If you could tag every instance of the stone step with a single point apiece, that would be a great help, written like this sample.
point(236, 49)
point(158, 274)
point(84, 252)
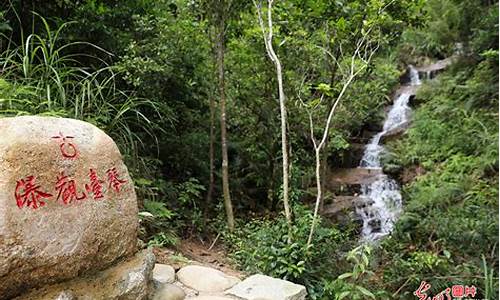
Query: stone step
point(341, 203)
point(395, 132)
point(438, 65)
point(406, 89)
point(267, 288)
point(353, 176)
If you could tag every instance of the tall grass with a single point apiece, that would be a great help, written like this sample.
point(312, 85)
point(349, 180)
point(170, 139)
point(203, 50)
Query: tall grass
point(43, 76)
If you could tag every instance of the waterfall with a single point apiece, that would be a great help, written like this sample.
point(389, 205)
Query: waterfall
point(382, 197)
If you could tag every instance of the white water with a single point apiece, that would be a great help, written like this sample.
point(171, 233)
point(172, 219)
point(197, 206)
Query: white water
point(382, 204)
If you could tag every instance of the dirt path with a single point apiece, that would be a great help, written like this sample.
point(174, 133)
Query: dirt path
point(193, 251)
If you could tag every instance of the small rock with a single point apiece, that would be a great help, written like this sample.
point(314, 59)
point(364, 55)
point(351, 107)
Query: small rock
point(163, 274)
point(261, 287)
point(168, 292)
point(205, 279)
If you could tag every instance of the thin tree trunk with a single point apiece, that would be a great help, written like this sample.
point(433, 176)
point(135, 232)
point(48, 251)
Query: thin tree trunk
point(211, 182)
point(324, 165)
point(268, 41)
point(317, 152)
point(225, 165)
point(270, 189)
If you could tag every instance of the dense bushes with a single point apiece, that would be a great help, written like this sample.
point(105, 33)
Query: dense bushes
point(261, 246)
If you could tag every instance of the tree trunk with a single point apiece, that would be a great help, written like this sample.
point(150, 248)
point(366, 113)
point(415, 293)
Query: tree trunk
point(324, 165)
point(284, 148)
point(225, 165)
point(268, 41)
point(211, 182)
point(317, 152)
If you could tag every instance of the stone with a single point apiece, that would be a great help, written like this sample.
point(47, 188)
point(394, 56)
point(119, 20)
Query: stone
point(130, 279)
point(65, 295)
point(163, 274)
point(67, 205)
point(211, 298)
point(205, 279)
point(168, 292)
point(261, 287)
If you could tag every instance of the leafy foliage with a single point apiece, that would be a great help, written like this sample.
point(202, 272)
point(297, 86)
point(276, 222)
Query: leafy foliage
point(261, 246)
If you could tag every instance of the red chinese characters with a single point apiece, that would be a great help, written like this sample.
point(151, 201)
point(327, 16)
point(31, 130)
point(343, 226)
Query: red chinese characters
point(457, 291)
point(68, 149)
point(66, 189)
point(420, 292)
point(114, 181)
point(95, 185)
point(28, 194)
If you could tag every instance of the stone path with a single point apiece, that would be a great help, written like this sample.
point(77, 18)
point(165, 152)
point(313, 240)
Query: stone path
point(203, 283)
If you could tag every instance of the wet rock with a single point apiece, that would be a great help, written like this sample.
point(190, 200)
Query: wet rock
point(67, 206)
point(375, 224)
point(261, 287)
point(395, 132)
point(130, 279)
point(163, 274)
point(205, 279)
point(392, 169)
point(168, 292)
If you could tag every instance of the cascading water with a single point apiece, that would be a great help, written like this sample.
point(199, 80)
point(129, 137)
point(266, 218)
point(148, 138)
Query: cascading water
point(382, 198)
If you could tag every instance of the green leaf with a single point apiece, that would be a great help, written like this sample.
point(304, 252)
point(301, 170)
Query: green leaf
point(343, 295)
point(345, 275)
point(365, 292)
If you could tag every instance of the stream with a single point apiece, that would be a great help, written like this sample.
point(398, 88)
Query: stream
point(382, 197)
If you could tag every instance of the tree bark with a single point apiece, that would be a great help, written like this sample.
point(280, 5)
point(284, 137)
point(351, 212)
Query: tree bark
point(211, 182)
point(268, 41)
point(223, 132)
point(317, 154)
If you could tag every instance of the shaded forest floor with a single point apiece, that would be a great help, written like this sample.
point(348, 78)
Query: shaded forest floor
point(195, 251)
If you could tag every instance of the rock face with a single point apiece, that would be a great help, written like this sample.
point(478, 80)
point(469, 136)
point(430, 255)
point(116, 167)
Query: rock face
point(67, 205)
point(205, 279)
point(261, 287)
point(130, 279)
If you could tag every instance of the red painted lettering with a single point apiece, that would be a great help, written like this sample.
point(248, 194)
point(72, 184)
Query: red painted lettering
point(68, 149)
point(95, 185)
point(113, 179)
point(66, 188)
point(28, 194)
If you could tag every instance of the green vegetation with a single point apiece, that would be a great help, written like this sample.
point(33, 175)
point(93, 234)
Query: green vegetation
point(148, 73)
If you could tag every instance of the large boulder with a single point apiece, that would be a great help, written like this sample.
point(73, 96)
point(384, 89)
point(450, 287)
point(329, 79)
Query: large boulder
point(261, 287)
point(67, 204)
point(130, 279)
